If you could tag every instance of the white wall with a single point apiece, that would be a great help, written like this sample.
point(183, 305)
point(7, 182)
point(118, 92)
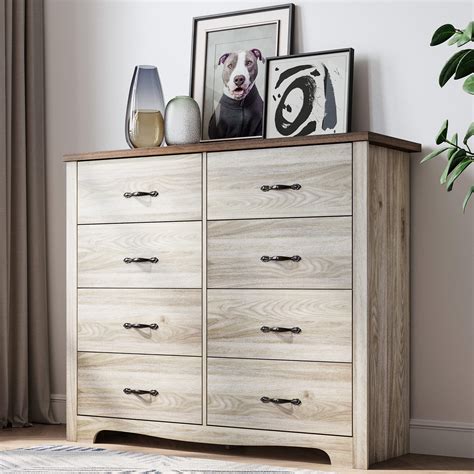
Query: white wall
point(91, 49)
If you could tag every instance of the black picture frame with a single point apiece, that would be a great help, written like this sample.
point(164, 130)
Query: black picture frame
point(349, 51)
point(288, 46)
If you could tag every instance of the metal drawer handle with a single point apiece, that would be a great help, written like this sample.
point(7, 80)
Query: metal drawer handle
point(295, 330)
point(279, 258)
point(279, 187)
point(140, 326)
point(130, 391)
point(141, 193)
point(280, 401)
point(140, 260)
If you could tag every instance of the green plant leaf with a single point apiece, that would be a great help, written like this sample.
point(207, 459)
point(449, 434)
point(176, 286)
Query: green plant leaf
point(434, 154)
point(468, 85)
point(466, 199)
point(442, 34)
point(455, 158)
point(450, 67)
point(451, 152)
point(465, 66)
point(462, 40)
point(469, 30)
point(466, 35)
point(454, 139)
point(469, 133)
point(443, 133)
point(457, 172)
point(455, 38)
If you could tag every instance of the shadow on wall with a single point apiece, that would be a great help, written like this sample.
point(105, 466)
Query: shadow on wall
point(360, 96)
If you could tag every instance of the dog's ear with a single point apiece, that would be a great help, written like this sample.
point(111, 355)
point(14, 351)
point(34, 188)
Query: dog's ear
point(258, 54)
point(223, 58)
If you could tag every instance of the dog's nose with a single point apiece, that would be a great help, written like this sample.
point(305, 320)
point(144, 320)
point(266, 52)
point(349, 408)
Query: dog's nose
point(239, 80)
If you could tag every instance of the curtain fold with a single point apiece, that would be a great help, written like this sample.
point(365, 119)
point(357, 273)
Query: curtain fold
point(24, 344)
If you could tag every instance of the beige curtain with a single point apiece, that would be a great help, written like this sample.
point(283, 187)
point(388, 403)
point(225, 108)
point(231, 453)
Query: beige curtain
point(24, 345)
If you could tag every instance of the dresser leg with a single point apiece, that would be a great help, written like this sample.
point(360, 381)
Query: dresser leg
point(71, 432)
point(340, 458)
point(88, 437)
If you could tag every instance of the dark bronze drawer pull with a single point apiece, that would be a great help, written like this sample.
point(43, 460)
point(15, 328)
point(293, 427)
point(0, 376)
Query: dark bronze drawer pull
point(140, 326)
point(140, 193)
point(280, 401)
point(130, 391)
point(280, 187)
point(295, 330)
point(280, 258)
point(140, 260)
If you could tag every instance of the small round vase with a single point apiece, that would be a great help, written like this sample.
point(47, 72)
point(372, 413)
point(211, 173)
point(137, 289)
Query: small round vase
point(182, 121)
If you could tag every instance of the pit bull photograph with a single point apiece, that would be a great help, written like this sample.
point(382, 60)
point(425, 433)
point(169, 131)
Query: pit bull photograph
point(239, 111)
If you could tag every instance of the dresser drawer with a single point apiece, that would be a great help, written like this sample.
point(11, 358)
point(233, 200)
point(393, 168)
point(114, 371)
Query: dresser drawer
point(102, 314)
point(176, 245)
point(102, 379)
point(102, 185)
point(323, 174)
point(244, 323)
point(236, 387)
point(235, 249)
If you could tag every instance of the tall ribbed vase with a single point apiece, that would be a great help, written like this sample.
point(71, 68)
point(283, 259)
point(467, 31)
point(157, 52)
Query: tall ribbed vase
point(144, 124)
point(182, 121)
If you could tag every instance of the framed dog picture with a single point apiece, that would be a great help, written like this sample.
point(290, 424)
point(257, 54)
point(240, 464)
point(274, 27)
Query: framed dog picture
point(228, 68)
point(309, 94)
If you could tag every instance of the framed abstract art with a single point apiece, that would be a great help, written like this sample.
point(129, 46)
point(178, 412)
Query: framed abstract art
point(309, 94)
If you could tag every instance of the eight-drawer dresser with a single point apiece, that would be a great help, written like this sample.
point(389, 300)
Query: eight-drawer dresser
point(251, 292)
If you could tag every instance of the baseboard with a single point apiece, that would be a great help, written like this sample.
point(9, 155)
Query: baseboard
point(442, 438)
point(58, 406)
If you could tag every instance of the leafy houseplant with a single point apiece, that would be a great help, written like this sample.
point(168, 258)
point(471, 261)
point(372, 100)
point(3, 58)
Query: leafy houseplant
point(460, 65)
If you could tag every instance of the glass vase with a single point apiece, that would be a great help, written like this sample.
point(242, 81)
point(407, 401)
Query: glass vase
point(144, 125)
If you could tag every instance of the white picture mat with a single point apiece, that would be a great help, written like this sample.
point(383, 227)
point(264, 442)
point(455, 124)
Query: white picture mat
point(338, 64)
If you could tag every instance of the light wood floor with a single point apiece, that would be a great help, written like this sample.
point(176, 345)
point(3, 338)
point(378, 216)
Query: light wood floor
point(287, 457)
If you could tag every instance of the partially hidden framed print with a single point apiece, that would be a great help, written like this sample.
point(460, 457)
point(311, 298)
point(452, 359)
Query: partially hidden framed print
point(309, 94)
point(228, 67)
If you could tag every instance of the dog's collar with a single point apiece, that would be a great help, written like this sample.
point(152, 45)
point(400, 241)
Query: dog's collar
point(249, 99)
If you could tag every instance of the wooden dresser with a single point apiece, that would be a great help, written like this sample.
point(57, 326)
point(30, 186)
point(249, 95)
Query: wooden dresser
point(250, 292)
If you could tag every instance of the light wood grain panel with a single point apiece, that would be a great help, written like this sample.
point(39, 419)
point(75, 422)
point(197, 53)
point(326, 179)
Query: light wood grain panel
point(373, 138)
point(360, 307)
point(71, 300)
point(102, 378)
point(102, 184)
point(324, 317)
point(324, 245)
point(204, 290)
point(381, 304)
point(339, 448)
point(388, 290)
point(102, 249)
point(323, 172)
point(103, 312)
point(235, 387)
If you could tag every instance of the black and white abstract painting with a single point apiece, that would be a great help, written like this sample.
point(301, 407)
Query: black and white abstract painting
point(309, 94)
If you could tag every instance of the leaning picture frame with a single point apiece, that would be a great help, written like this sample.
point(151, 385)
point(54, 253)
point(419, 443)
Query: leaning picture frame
point(309, 94)
point(227, 77)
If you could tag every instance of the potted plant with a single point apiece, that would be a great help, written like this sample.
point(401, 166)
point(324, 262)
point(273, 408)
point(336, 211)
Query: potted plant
point(460, 66)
